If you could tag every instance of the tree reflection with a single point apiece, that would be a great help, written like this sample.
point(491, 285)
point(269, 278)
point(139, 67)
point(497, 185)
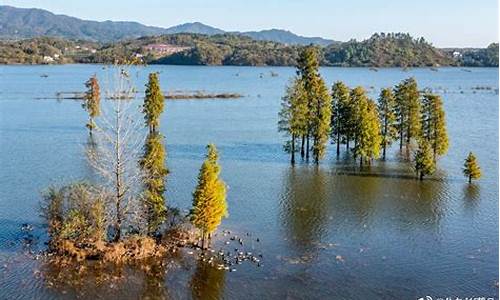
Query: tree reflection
point(207, 282)
point(304, 207)
point(472, 194)
point(154, 286)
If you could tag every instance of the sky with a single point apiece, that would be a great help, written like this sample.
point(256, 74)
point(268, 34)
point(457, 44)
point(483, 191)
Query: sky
point(444, 23)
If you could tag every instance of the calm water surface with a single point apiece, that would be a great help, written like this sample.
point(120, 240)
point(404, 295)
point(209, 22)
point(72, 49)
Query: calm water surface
point(330, 232)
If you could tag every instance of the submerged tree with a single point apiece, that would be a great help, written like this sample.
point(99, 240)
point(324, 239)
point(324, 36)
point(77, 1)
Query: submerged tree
point(307, 70)
point(341, 107)
point(386, 108)
point(471, 168)
point(321, 115)
point(318, 103)
point(209, 197)
point(368, 138)
point(116, 152)
point(153, 102)
point(92, 100)
point(424, 160)
point(407, 110)
point(293, 115)
point(434, 124)
point(154, 171)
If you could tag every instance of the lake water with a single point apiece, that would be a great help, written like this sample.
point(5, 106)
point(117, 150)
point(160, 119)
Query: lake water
point(327, 232)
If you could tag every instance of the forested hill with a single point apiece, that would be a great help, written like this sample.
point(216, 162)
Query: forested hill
point(384, 50)
point(380, 50)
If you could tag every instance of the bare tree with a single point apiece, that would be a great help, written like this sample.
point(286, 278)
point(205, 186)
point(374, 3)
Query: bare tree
point(119, 136)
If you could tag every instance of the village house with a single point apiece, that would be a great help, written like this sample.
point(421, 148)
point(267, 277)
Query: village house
point(164, 49)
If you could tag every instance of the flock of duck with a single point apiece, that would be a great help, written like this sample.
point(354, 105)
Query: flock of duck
point(228, 259)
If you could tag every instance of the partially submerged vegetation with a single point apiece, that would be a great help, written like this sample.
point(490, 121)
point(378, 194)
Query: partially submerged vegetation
point(169, 95)
point(404, 113)
point(121, 215)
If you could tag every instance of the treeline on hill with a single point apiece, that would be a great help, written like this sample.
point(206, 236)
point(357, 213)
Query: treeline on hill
point(380, 50)
point(311, 114)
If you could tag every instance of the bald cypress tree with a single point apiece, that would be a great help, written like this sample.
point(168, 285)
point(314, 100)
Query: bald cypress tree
point(92, 99)
point(368, 138)
point(153, 160)
point(424, 160)
point(293, 116)
point(321, 114)
point(209, 197)
point(407, 110)
point(153, 102)
point(471, 168)
point(340, 113)
point(386, 108)
point(308, 72)
point(434, 124)
point(153, 166)
point(358, 100)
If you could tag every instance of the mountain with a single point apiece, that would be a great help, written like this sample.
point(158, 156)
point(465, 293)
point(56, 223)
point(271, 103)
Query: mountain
point(286, 37)
point(196, 27)
point(19, 23)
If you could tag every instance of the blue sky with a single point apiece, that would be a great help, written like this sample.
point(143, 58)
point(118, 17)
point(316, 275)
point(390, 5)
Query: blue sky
point(445, 23)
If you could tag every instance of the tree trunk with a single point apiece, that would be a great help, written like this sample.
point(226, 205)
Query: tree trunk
point(338, 143)
point(293, 149)
point(203, 239)
point(421, 175)
point(302, 146)
point(385, 138)
point(401, 138)
point(307, 147)
point(470, 178)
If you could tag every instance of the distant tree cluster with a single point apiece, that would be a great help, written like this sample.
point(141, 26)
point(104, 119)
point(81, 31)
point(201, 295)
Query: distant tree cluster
point(485, 57)
point(386, 50)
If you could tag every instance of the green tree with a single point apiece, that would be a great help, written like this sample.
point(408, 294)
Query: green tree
point(307, 70)
point(341, 107)
point(153, 166)
point(434, 124)
point(153, 102)
point(92, 100)
point(471, 167)
point(368, 137)
point(358, 100)
point(293, 115)
point(318, 102)
point(209, 197)
point(321, 119)
point(424, 160)
point(407, 110)
point(386, 107)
